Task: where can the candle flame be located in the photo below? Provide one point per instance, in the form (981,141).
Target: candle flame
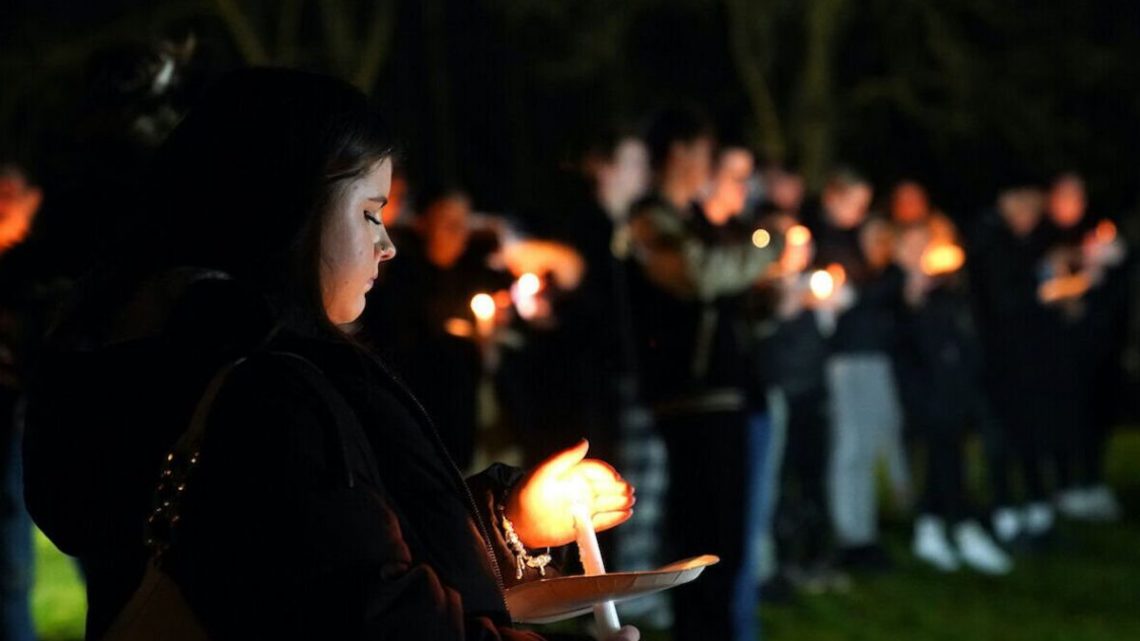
(761,238)
(822,284)
(529,284)
(483,306)
(825,282)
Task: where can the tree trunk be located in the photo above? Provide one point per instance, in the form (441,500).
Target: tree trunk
(814,111)
(743,40)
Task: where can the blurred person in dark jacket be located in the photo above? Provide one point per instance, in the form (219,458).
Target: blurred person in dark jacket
(1089,329)
(684,288)
(939,363)
(794,351)
(1005,254)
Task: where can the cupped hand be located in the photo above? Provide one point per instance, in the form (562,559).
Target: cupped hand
(540,505)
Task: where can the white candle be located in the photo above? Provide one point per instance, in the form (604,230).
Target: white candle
(483,307)
(604,613)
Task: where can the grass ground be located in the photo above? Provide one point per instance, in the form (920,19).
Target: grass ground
(1086,589)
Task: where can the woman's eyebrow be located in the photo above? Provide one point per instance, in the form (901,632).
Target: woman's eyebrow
(383,200)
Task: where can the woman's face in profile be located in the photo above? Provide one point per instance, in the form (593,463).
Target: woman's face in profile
(354,243)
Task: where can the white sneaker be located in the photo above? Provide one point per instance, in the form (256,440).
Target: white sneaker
(1073,503)
(932,546)
(1102,505)
(1007,524)
(978,551)
(1038,518)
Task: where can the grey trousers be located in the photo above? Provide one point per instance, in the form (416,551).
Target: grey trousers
(866,422)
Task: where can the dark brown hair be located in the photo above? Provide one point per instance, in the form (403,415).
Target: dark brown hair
(244,183)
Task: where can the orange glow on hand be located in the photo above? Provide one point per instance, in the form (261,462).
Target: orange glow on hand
(1063,288)
(1105,232)
(798,235)
(942,259)
(838,274)
(542,505)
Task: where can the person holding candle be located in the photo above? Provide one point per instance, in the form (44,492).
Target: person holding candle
(1089,326)
(310,497)
(694,370)
(939,364)
(794,352)
(866,417)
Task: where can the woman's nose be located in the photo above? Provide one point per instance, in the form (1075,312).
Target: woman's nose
(385,249)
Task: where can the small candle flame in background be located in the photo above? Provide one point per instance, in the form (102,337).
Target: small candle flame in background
(821,283)
(483,306)
(529,284)
(825,282)
(524,293)
(761,238)
(459,327)
(942,259)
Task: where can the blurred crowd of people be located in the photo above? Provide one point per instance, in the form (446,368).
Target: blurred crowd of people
(751,354)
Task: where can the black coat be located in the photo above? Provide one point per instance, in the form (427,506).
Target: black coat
(271,543)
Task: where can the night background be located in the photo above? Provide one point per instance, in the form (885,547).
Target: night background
(968,96)
(500,97)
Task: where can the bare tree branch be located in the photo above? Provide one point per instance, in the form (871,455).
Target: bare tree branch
(246,38)
(750,69)
(814,108)
(288,26)
(377,44)
(338,35)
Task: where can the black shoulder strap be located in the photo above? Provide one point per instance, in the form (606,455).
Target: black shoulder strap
(184,455)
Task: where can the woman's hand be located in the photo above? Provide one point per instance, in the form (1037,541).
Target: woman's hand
(626,633)
(540,505)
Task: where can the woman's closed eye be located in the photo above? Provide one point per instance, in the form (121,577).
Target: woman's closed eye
(373,218)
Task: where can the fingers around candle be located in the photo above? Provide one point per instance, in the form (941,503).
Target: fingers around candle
(596,470)
(613,503)
(562,462)
(606,520)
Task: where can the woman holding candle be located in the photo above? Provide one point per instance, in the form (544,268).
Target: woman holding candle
(317,500)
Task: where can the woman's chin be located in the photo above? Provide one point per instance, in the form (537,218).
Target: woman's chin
(347,314)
